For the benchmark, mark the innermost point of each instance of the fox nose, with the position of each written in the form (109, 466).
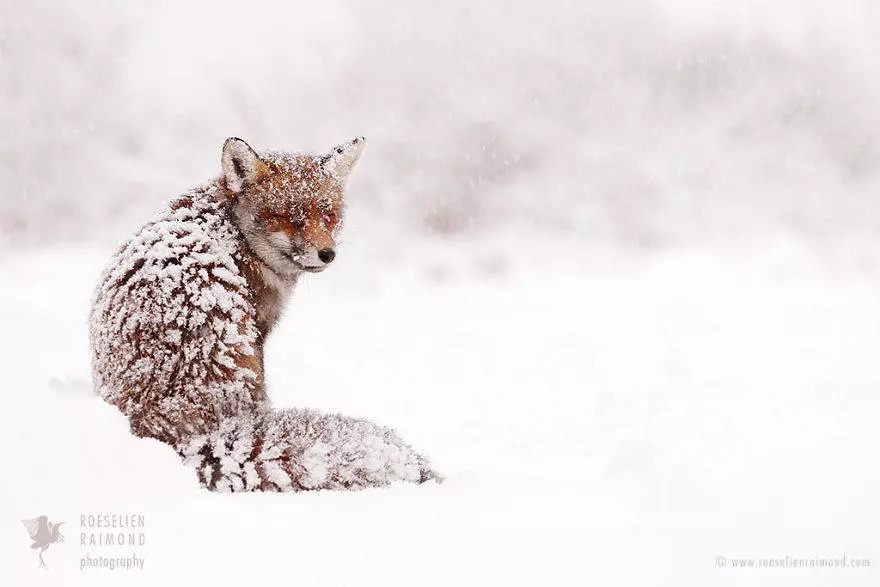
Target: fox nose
(327, 255)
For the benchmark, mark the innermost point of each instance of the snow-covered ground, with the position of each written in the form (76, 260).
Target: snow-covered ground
(612, 419)
(613, 265)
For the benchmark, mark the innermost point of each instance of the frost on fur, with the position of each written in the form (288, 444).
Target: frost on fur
(173, 335)
(298, 450)
(183, 310)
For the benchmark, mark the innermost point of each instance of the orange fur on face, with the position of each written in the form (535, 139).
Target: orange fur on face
(298, 199)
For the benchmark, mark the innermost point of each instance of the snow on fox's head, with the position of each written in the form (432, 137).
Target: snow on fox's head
(289, 205)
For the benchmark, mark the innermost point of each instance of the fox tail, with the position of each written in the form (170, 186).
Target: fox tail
(301, 450)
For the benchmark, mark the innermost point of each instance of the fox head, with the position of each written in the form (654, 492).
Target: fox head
(289, 206)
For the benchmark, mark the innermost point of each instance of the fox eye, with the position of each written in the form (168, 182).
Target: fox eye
(297, 221)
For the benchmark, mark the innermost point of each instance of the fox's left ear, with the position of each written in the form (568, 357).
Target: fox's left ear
(241, 164)
(342, 159)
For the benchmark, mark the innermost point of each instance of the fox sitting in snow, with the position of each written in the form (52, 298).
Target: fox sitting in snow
(182, 312)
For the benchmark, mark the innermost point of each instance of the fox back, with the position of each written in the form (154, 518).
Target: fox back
(183, 309)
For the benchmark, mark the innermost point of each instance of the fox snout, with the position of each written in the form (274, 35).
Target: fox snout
(326, 255)
(320, 247)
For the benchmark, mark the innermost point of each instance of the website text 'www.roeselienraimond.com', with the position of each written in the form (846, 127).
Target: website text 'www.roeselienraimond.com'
(793, 562)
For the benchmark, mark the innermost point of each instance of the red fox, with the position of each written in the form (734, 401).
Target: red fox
(182, 312)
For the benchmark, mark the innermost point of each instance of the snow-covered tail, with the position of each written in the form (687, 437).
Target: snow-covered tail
(300, 450)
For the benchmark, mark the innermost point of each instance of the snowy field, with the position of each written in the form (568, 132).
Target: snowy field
(614, 266)
(613, 419)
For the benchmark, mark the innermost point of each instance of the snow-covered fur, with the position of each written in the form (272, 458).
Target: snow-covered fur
(302, 449)
(181, 316)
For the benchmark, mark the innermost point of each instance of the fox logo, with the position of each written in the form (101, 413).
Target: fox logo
(182, 312)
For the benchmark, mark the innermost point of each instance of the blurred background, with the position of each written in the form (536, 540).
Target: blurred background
(641, 125)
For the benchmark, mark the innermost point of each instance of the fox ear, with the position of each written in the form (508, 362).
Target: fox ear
(241, 164)
(342, 159)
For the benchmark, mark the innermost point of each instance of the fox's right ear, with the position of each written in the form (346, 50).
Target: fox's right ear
(241, 164)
